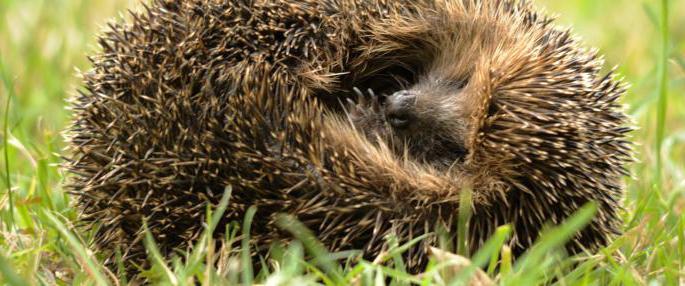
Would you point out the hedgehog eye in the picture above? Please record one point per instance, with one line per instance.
(399, 121)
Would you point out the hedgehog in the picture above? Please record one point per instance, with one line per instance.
(360, 118)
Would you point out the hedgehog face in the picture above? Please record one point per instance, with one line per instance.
(431, 85)
(429, 120)
(425, 110)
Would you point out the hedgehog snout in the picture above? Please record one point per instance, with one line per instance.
(398, 108)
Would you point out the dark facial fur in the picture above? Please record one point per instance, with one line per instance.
(428, 121)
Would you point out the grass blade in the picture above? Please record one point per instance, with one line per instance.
(465, 213)
(156, 257)
(246, 254)
(8, 275)
(315, 247)
(82, 255)
(5, 138)
(663, 92)
(536, 260)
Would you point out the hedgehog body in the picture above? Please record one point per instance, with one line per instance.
(194, 96)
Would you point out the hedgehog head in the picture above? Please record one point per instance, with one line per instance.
(428, 121)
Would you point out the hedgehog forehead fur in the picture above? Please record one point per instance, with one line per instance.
(194, 96)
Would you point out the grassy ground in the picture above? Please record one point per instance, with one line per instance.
(43, 42)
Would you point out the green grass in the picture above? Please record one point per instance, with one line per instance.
(43, 42)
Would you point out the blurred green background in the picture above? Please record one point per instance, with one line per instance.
(44, 42)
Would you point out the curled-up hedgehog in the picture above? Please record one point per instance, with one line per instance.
(360, 118)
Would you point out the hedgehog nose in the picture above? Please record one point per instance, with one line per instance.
(398, 108)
